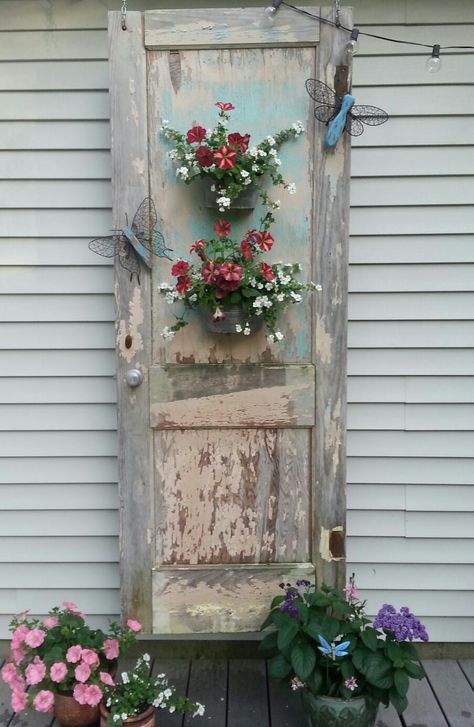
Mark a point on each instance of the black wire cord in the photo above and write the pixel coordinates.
(372, 35)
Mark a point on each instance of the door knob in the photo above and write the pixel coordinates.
(134, 377)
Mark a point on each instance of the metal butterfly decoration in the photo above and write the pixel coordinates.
(340, 114)
(139, 241)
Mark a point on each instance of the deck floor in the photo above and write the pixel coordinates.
(237, 693)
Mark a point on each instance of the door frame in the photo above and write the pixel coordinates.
(129, 142)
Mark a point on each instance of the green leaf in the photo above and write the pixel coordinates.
(268, 621)
(276, 601)
(313, 628)
(400, 703)
(314, 681)
(287, 633)
(303, 660)
(235, 298)
(331, 628)
(400, 681)
(278, 667)
(379, 671)
(360, 659)
(414, 670)
(394, 652)
(408, 649)
(347, 669)
(269, 641)
(369, 637)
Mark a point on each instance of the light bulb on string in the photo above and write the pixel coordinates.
(352, 45)
(270, 12)
(433, 64)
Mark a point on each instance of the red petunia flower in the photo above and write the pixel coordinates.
(204, 156)
(210, 272)
(222, 228)
(253, 236)
(183, 284)
(267, 272)
(218, 314)
(230, 271)
(225, 157)
(196, 135)
(179, 268)
(198, 248)
(224, 106)
(246, 250)
(265, 242)
(239, 142)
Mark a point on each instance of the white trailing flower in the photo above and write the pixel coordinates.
(277, 162)
(276, 204)
(224, 203)
(213, 187)
(164, 124)
(165, 286)
(255, 168)
(247, 330)
(298, 127)
(238, 328)
(125, 679)
(172, 154)
(271, 140)
(280, 297)
(182, 172)
(199, 710)
(261, 153)
(193, 298)
(291, 188)
(253, 152)
(279, 335)
(273, 152)
(296, 297)
(244, 173)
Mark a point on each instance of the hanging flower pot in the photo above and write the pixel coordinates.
(324, 711)
(70, 713)
(231, 319)
(144, 719)
(245, 200)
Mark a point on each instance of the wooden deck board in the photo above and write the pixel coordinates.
(453, 691)
(237, 694)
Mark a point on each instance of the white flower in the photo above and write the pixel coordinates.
(246, 330)
(209, 133)
(253, 282)
(255, 168)
(167, 693)
(298, 127)
(146, 657)
(318, 287)
(167, 334)
(260, 286)
(296, 297)
(248, 181)
(277, 162)
(164, 286)
(273, 152)
(164, 123)
(271, 338)
(238, 328)
(280, 297)
(213, 187)
(271, 140)
(182, 172)
(276, 204)
(172, 154)
(124, 675)
(193, 298)
(291, 188)
(172, 709)
(188, 157)
(268, 286)
(123, 716)
(116, 718)
(278, 335)
(261, 153)
(108, 702)
(244, 173)
(223, 202)
(199, 710)
(253, 152)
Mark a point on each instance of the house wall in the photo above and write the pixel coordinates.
(411, 330)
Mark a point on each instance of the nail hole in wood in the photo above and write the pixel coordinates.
(128, 341)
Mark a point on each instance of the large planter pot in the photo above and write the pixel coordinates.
(70, 713)
(145, 719)
(246, 200)
(325, 711)
(234, 315)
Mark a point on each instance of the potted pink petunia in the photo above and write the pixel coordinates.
(59, 664)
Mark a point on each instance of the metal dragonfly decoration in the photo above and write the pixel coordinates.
(138, 241)
(340, 114)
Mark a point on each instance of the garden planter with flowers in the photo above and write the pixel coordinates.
(325, 646)
(228, 163)
(233, 289)
(61, 665)
(134, 699)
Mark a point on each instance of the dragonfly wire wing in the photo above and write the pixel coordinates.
(106, 246)
(128, 258)
(326, 113)
(321, 93)
(370, 115)
(145, 221)
(159, 246)
(353, 126)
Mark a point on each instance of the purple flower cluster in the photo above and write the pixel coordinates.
(287, 606)
(403, 625)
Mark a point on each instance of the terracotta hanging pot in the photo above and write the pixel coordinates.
(70, 713)
(145, 719)
(246, 200)
(234, 315)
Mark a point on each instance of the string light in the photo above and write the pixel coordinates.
(313, 16)
(433, 64)
(352, 45)
(270, 12)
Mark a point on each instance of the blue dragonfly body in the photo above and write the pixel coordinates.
(338, 124)
(333, 650)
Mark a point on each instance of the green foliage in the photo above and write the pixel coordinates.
(375, 662)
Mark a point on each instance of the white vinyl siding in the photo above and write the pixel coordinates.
(411, 305)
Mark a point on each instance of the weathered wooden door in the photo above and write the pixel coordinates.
(232, 450)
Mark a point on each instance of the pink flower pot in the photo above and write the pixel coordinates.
(70, 713)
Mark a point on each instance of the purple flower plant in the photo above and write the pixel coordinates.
(287, 606)
(404, 625)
